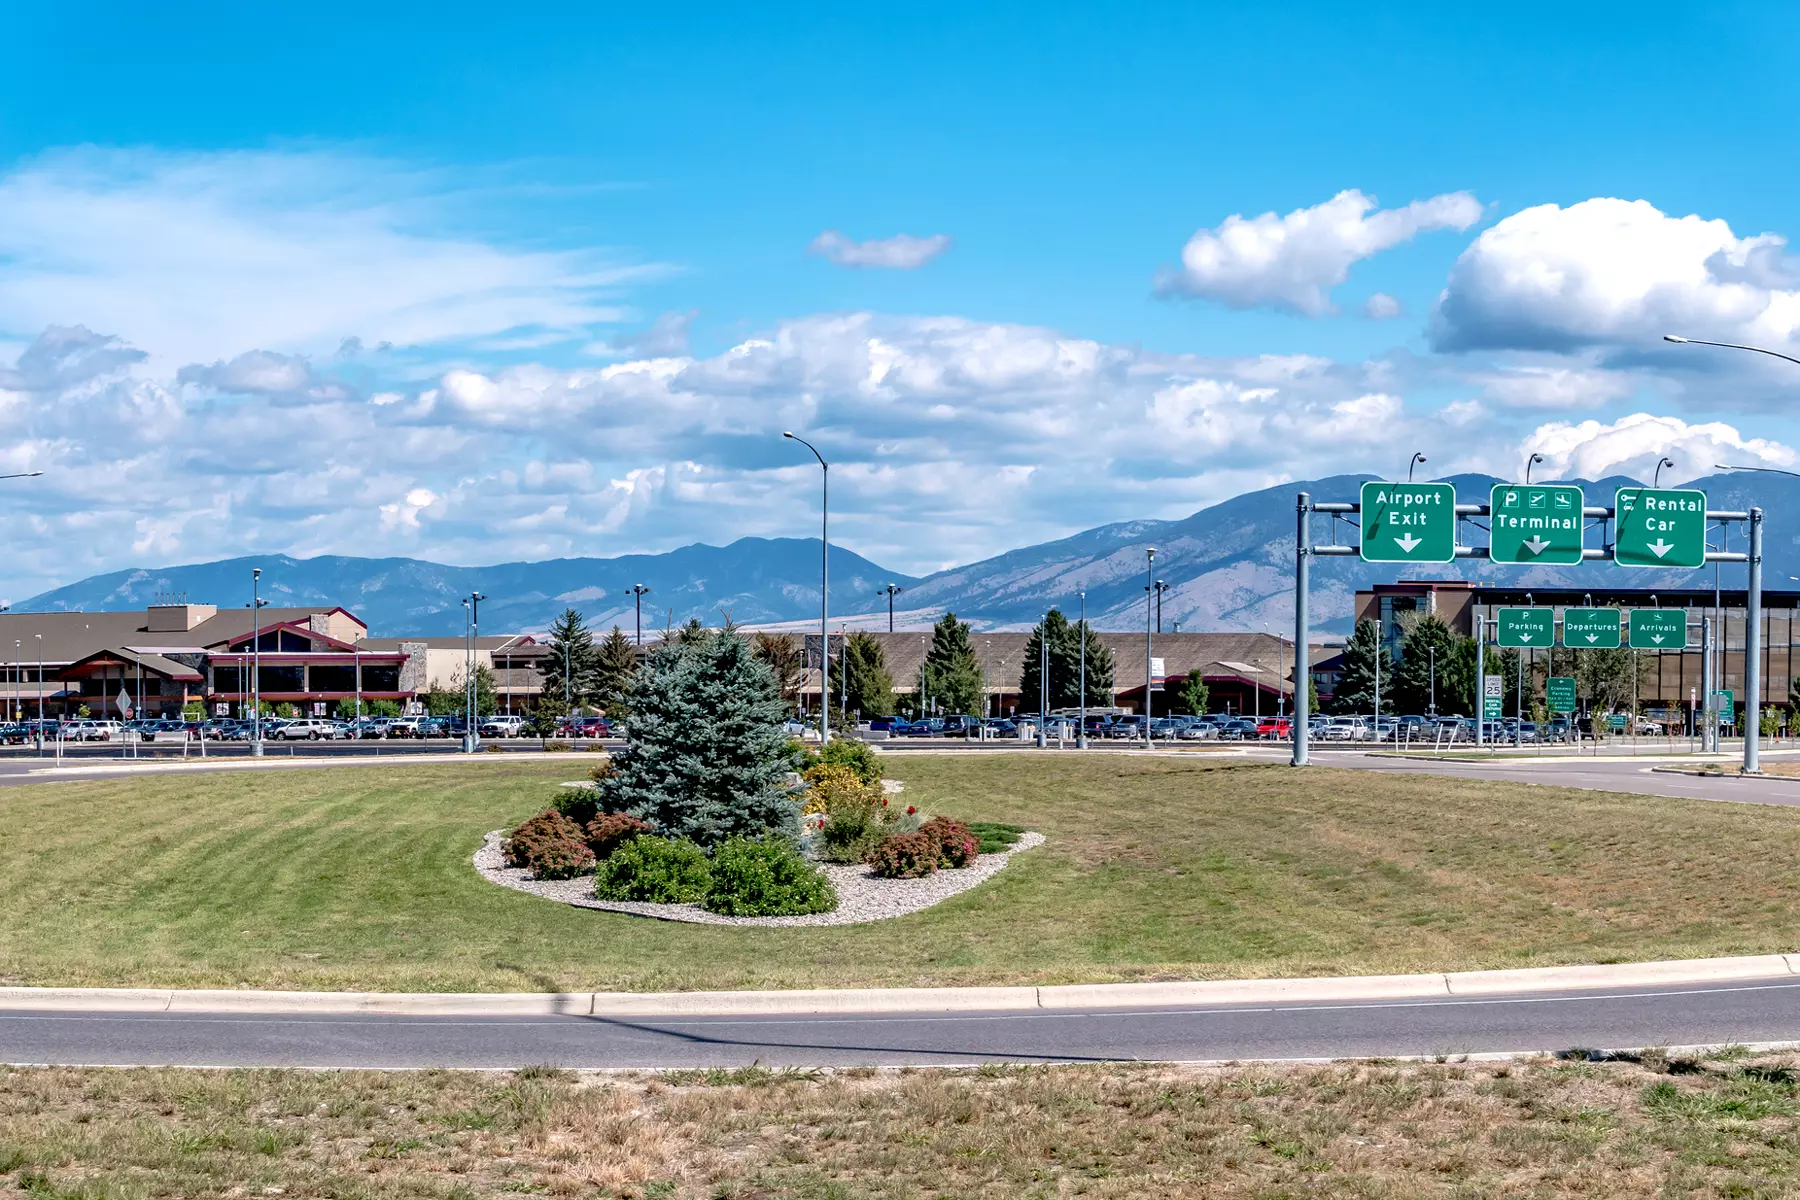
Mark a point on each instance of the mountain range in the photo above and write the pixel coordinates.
(1228, 567)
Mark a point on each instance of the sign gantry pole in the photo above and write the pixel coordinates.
(1302, 660)
(1753, 651)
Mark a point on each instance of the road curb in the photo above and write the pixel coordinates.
(902, 1000)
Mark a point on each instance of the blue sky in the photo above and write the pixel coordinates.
(596, 243)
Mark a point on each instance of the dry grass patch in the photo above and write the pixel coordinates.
(1727, 1127)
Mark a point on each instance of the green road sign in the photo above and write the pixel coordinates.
(1659, 527)
(1408, 522)
(1593, 628)
(1724, 702)
(1616, 722)
(1560, 691)
(1536, 524)
(1659, 628)
(1526, 627)
(1491, 700)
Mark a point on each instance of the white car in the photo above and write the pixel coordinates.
(501, 725)
(86, 730)
(306, 729)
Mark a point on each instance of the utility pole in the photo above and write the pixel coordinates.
(1081, 627)
(890, 591)
(256, 603)
(639, 591)
(1043, 679)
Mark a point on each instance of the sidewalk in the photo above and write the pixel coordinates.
(910, 1000)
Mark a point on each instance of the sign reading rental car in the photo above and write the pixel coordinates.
(1660, 527)
(1408, 522)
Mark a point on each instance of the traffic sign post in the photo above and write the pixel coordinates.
(1536, 524)
(1408, 522)
(1592, 628)
(1559, 691)
(1659, 527)
(1659, 628)
(1494, 697)
(1724, 706)
(1524, 628)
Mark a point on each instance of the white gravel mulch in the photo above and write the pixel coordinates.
(861, 896)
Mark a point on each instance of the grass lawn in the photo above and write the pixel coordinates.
(360, 878)
(1725, 1127)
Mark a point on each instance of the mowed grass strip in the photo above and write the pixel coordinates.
(1726, 1127)
(1156, 868)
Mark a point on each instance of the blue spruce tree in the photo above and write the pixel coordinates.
(707, 751)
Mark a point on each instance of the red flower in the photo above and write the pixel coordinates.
(884, 802)
(910, 810)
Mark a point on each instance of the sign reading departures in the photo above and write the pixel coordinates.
(1593, 628)
(1536, 524)
(1408, 522)
(1659, 527)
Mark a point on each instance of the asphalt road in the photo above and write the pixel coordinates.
(1744, 1011)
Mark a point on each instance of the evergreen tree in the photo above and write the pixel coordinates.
(452, 699)
(571, 657)
(952, 672)
(1356, 689)
(783, 657)
(615, 665)
(869, 689)
(708, 753)
(1194, 694)
(1064, 642)
(1455, 661)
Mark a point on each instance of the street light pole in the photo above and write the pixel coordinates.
(824, 590)
(890, 591)
(471, 693)
(1081, 730)
(256, 603)
(1149, 578)
(639, 591)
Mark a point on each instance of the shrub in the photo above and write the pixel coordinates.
(655, 869)
(607, 832)
(848, 836)
(831, 787)
(904, 856)
(859, 757)
(550, 845)
(766, 877)
(580, 804)
(556, 747)
(957, 847)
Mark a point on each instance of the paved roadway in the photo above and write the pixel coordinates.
(1742, 1011)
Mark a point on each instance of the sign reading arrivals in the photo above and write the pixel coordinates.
(1408, 522)
(1659, 527)
(1536, 524)
(1659, 628)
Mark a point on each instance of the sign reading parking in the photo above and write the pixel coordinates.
(1659, 628)
(1593, 628)
(1526, 627)
(1659, 527)
(1408, 522)
(1559, 690)
(1536, 524)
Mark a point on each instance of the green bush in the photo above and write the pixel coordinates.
(654, 869)
(849, 834)
(580, 805)
(904, 856)
(766, 877)
(607, 832)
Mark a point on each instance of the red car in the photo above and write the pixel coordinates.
(1274, 727)
(594, 727)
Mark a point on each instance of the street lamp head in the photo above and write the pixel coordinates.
(256, 572)
(1670, 337)
(788, 433)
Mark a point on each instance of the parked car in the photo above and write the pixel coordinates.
(1198, 731)
(306, 729)
(1000, 727)
(501, 725)
(960, 725)
(1275, 727)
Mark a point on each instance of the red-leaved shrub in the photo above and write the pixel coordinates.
(608, 831)
(957, 847)
(904, 856)
(550, 845)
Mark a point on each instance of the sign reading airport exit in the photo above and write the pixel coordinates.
(1408, 522)
(1659, 527)
(1536, 524)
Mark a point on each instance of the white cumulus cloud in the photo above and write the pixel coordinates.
(1615, 273)
(902, 252)
(1294, 261)
(1632, 445)
(1381, 307)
